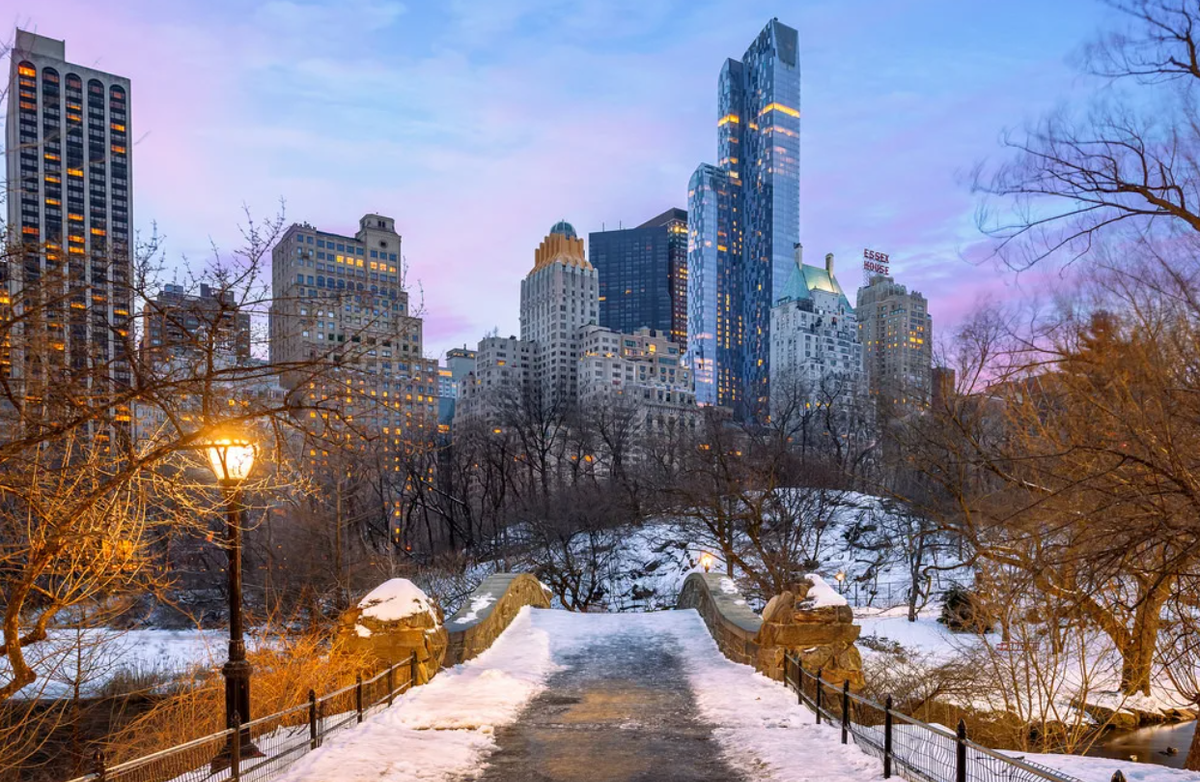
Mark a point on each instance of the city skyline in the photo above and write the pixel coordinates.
(576, 127)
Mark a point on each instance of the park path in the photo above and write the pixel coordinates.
(621, 711)
(596, 697)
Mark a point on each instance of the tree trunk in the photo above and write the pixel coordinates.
(1193, 757)
(1138, 655)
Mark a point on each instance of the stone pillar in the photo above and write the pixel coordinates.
(822, 635)
(391, 635)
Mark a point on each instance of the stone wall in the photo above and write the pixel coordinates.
(488, 610)
(823, 637)
(732, 624)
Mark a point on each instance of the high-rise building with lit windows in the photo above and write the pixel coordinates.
(341, 300)
(744, 220)
(69, 168)
(643, 275)
(559, 296)
(897, 340)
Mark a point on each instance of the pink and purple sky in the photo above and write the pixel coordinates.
(477, 125)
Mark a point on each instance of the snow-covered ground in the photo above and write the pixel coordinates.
(446, 728)
(94, 657)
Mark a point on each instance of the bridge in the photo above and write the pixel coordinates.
(509, 690)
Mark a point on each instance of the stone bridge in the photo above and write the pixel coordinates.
(518, 692)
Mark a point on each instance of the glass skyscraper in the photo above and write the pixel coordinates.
(745, 223)
(643, 275)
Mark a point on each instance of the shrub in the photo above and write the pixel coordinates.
(963, 611)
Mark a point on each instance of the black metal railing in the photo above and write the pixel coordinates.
(268, 745)
(909, 748)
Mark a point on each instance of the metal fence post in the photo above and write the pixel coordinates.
(1118, 776)
(391, 684)
(887, 738)
(98, 761)
(358, 696)
(960, 767)
(799, 681)
(413, 671)
(818, 696)
(845, 711)
(312, 719)
(235, 748)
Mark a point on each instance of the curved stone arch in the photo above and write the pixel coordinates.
(488, 611)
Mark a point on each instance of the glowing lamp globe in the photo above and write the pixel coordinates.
(231, 458)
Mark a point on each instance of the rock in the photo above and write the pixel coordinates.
(394, 636)
(822, 637)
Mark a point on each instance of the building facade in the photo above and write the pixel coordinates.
(460, 362)
(745, 221)
(897, 337)
(816, 352)
(559, 296)
(180, 325)
(643, 275)
(340, 300)
(69, 162)
(503, 371)
(644, 368)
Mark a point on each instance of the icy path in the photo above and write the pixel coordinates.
(618, 677)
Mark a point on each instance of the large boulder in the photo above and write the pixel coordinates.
(395, 620)
(813, 622)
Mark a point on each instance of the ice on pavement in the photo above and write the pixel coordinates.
(446, 728)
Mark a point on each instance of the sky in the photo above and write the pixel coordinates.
(479, 124)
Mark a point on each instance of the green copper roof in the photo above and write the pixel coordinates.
(805, 278)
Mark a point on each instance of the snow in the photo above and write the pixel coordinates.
(821, 595)
(1101, 769)
(93, 657)
(444, 728)
(395, 599)
(762, 730)
(477, 604)
(926, 635)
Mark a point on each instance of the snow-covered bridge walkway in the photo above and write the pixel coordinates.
(563, 696)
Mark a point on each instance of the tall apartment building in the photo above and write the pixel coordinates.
(503, 370)
(897, 338)
(744, 218)
(643, 275)
(816, 353)
(69, 163)
(177, 324)
(559, 296)
(341, 299)
(645, 367)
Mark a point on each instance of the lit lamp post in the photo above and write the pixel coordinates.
(231, 459)
(706, 560)
(841, 579)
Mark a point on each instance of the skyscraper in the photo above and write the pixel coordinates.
(643, 275)
(816, 355)
(897, 339)
(69, 167)
(341, 299)
(744, 222)
(559, 296)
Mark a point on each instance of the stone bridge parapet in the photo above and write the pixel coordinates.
(822, 635)
(488, 610)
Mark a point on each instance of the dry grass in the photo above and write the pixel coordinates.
(284, 672)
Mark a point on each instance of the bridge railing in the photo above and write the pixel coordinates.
(267, 746)
(914, 750)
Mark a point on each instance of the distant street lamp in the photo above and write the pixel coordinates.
(706, 561)
(231, 459)
(841, 579)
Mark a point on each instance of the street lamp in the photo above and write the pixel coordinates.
(841, 579)
(706, 560)
(231, 458)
